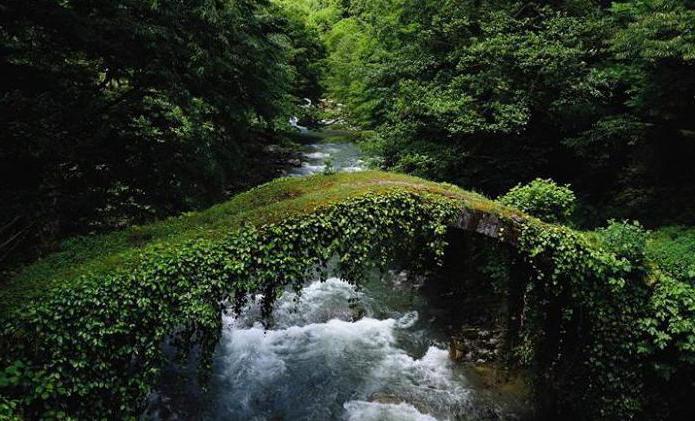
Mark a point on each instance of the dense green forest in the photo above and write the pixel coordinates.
(487, 94)
(118, 113)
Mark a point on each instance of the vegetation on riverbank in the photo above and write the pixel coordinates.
(121, 112)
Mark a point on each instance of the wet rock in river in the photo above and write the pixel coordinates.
(475, 345)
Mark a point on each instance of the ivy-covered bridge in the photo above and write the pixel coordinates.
(82, 329)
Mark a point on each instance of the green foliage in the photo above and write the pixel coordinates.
(655, 49)
(669, 322)
(582, 315)
(669, 343)
(328, 167)
(306, 52)
(488, 93)
(641, 322)
(671, 325)
(608, 331)
(627, 240)
(8, 410)
(124, 110)
(543, 199)
(418, 164)
(673, 250)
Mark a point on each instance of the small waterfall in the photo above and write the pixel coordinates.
(294, 122)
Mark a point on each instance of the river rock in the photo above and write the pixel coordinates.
(385, 398)
(475, 345)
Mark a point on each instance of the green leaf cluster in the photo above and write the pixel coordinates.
(543, 199)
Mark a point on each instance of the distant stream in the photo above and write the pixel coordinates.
(327, 146)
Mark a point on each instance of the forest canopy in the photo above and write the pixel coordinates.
(117, 112)
(488, 94)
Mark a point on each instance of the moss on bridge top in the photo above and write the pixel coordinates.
(269, 203)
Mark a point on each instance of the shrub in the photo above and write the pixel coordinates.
(543, 199)
(627, 240)
(669, 346)
(419, 164)
(328, 167)
(673, 250)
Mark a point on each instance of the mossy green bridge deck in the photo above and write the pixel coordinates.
(271, 203)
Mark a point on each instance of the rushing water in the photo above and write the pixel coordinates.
(338, 353)
(294, 122)
(328, 147)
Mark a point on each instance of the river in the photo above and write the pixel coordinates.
(332, 147)
(336, 352)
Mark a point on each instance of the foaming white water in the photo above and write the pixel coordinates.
(294, 122)
(297, 370)
(343, 157)
(428, 382)
(375, 411)
(318, 302)
(317, 155)
(319, 362)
